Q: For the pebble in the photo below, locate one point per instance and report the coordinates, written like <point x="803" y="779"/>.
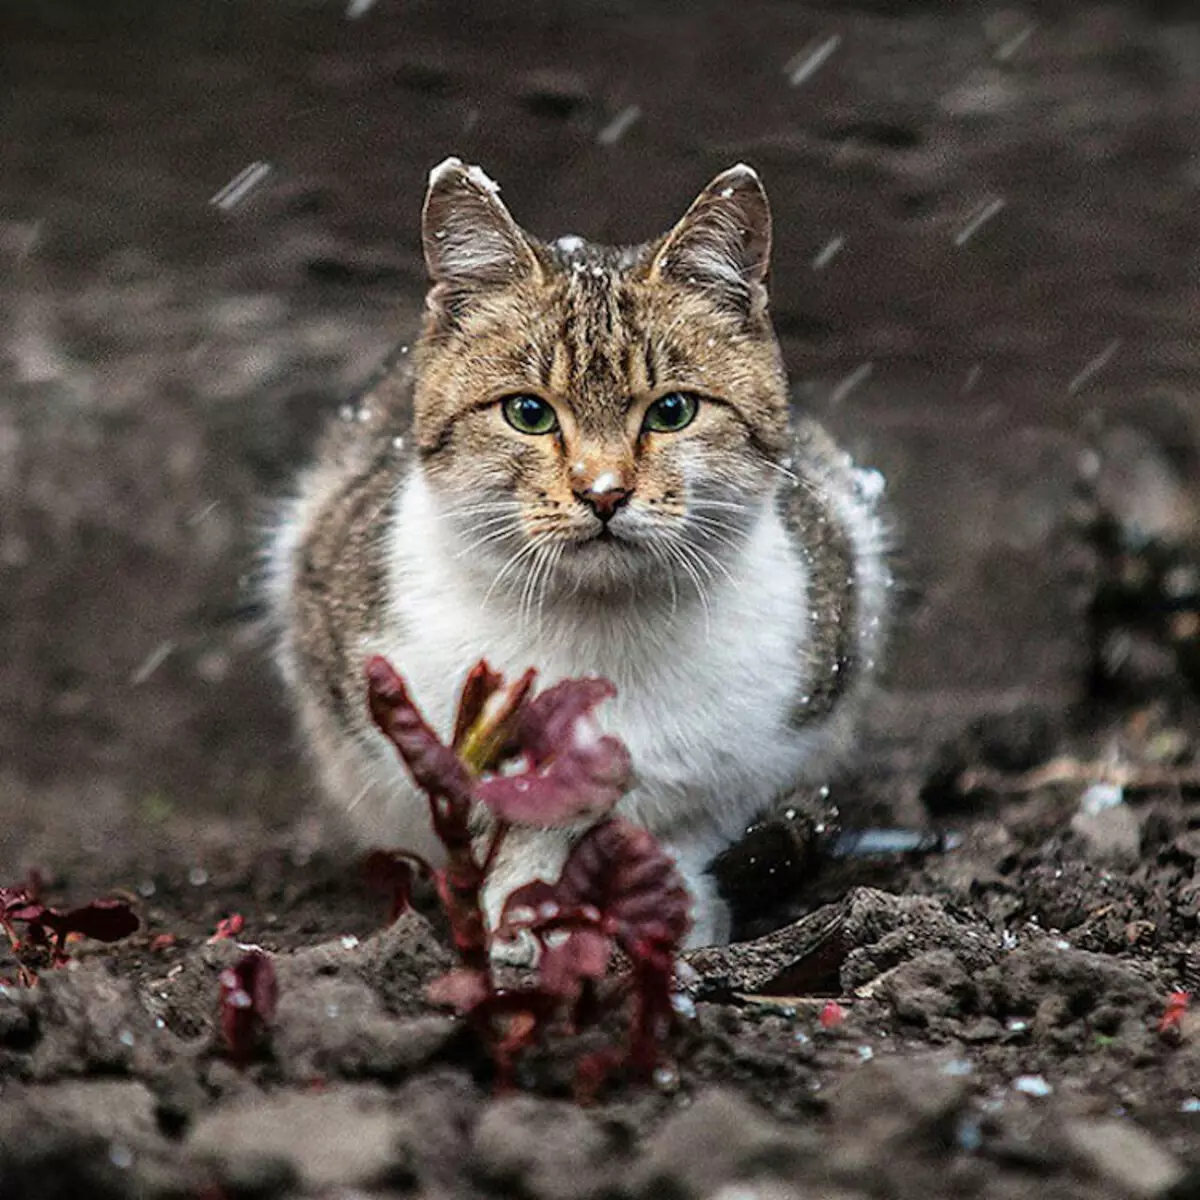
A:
<point x="1120" y="1152"/>
<point x="1032" y="1085"/>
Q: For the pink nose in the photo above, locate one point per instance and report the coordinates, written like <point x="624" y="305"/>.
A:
<point x="603" y="496"/>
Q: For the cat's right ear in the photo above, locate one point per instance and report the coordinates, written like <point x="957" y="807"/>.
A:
<point x="471" y="242"/>
<point x="723" y="242"/>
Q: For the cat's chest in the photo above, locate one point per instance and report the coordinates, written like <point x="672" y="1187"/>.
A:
<point x="700" y="693"/>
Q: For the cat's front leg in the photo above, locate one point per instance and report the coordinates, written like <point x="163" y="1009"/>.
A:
<point x="525" y="855"/>
<point x="711" y="919"/>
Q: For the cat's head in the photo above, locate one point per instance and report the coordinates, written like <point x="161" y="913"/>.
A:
<point x="591" y="416"/>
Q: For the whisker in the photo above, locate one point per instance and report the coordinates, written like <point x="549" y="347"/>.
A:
<point x="552" y="562"/>
<point x="676" y="549"/>
<point x="530" y="548"/>
<point x="716" y="563"/>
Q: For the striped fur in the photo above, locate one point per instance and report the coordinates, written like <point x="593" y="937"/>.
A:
<point x="741" y="604"/>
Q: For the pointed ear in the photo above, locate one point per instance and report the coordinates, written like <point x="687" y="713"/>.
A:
<point x="470" y="240"/>
<point x="723" y="242"/>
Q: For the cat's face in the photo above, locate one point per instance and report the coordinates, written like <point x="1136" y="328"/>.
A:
<point x="592" y="418"/>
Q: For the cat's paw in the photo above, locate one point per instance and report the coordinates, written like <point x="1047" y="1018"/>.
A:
<point x="520" y="951"/>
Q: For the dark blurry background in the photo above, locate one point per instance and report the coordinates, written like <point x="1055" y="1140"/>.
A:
<point x="985" y="279"/>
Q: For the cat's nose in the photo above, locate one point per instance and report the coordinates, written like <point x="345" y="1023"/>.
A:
<point x="604" y="495"/>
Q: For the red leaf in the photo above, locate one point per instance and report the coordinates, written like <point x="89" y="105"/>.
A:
<point x="1177" y="1006"/>
<point x="490" y="737"/>
<point x="481" y="685"/>
<point x="548" y="721"/>
<point x="104" y="920"/>
<point x="393" y="873"/>
<point x="832" y="1015"/>
<point x="13" y="898"/>
<point x="585" y="954"/>
<point x="228" y="927"/>
<point x="249" y="993"/>
<point x="435" y="767"/>
<point x="620" y="869"/>
<point x="462" y="989"/>
<point x="573" y="771"/>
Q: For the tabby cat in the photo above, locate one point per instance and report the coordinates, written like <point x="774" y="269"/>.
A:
<point x="588" y="466"/>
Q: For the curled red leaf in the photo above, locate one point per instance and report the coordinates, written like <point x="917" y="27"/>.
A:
<point x="249" y="994"/>
<point x="481" y="685"/>
<point x="393" y="873"/>
<point x="1176" y="1008"/>
<point x="572" y="772"/>
<point x="620" y="869"/>
<point x="582" y="954"/>
<point x="102" y="920"/>
<point x="228" y="927"/>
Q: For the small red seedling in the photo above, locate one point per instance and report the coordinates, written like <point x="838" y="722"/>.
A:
<point x="1171" y="1022"/>
<point x="832" y="1015"/>
<point x="48" y="930"/>
<point x="249" y="994"/>
<point x="228" y="927"/>
<point x="618" y="889"/>
<point x="392" y="873"/>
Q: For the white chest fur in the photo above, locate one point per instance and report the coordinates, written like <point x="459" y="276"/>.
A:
<point x="702" y="700"/>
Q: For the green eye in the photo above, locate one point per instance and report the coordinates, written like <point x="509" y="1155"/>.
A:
<point x="671" y="413"/>
<point x="529" y="414"/>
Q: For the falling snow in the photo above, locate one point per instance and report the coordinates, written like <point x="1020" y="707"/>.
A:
<point x="240" y="186"/>
<point x="619" y="126"/>
<point x="808" y="62"/>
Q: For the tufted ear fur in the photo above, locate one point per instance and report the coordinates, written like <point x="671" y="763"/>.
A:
<point x="723" y="242"/>
<point x="471" y="242"/>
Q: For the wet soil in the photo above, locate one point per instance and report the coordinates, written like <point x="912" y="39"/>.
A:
<point x="986" y="222"/>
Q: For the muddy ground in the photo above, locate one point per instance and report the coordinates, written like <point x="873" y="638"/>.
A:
<point x="985" y="281"/>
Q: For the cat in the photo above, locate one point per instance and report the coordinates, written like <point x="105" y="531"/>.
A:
<point x="588" y="466"/>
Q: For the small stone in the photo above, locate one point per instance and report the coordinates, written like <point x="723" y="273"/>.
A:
<point x="717" y="1139"/>
<point x="1110" y="835"/>
<point x="323" y="1140"/>
<point x="532" y="1147"/>
<point x="1121" y="1153"/>
<point x="1032" y="1085"/>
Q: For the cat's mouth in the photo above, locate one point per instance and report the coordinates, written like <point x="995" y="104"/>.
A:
<point x="603" y="539"/>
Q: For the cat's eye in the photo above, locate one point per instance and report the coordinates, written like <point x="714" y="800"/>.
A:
<point x="671" y="413"/>
<point x="529" y="414"/>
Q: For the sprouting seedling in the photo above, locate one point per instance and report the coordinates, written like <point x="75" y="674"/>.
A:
<point x="618" y="888"/>
<point x="47" y="929"/>
<point x="249" y="993"/>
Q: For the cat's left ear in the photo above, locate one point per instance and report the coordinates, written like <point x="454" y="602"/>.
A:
<point x="470" y="240"/>
<point x="723" y="242"/>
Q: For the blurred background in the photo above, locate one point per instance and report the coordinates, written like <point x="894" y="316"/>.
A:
<point x="985" y="281"/>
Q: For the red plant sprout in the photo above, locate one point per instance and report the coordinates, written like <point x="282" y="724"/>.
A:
<point x="47" y="930"/>
<point x="249" y="994"/>
<point x="540" y="760"/>
<point x="832" y="1015"/>
<point x="1170" y="1024"/>
<point x="618" y="888"/>
<point x="392" y="873"/>
<point x="228" y="927"/>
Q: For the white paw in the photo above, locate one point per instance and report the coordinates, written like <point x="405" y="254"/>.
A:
<point x="520" y="951"/>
